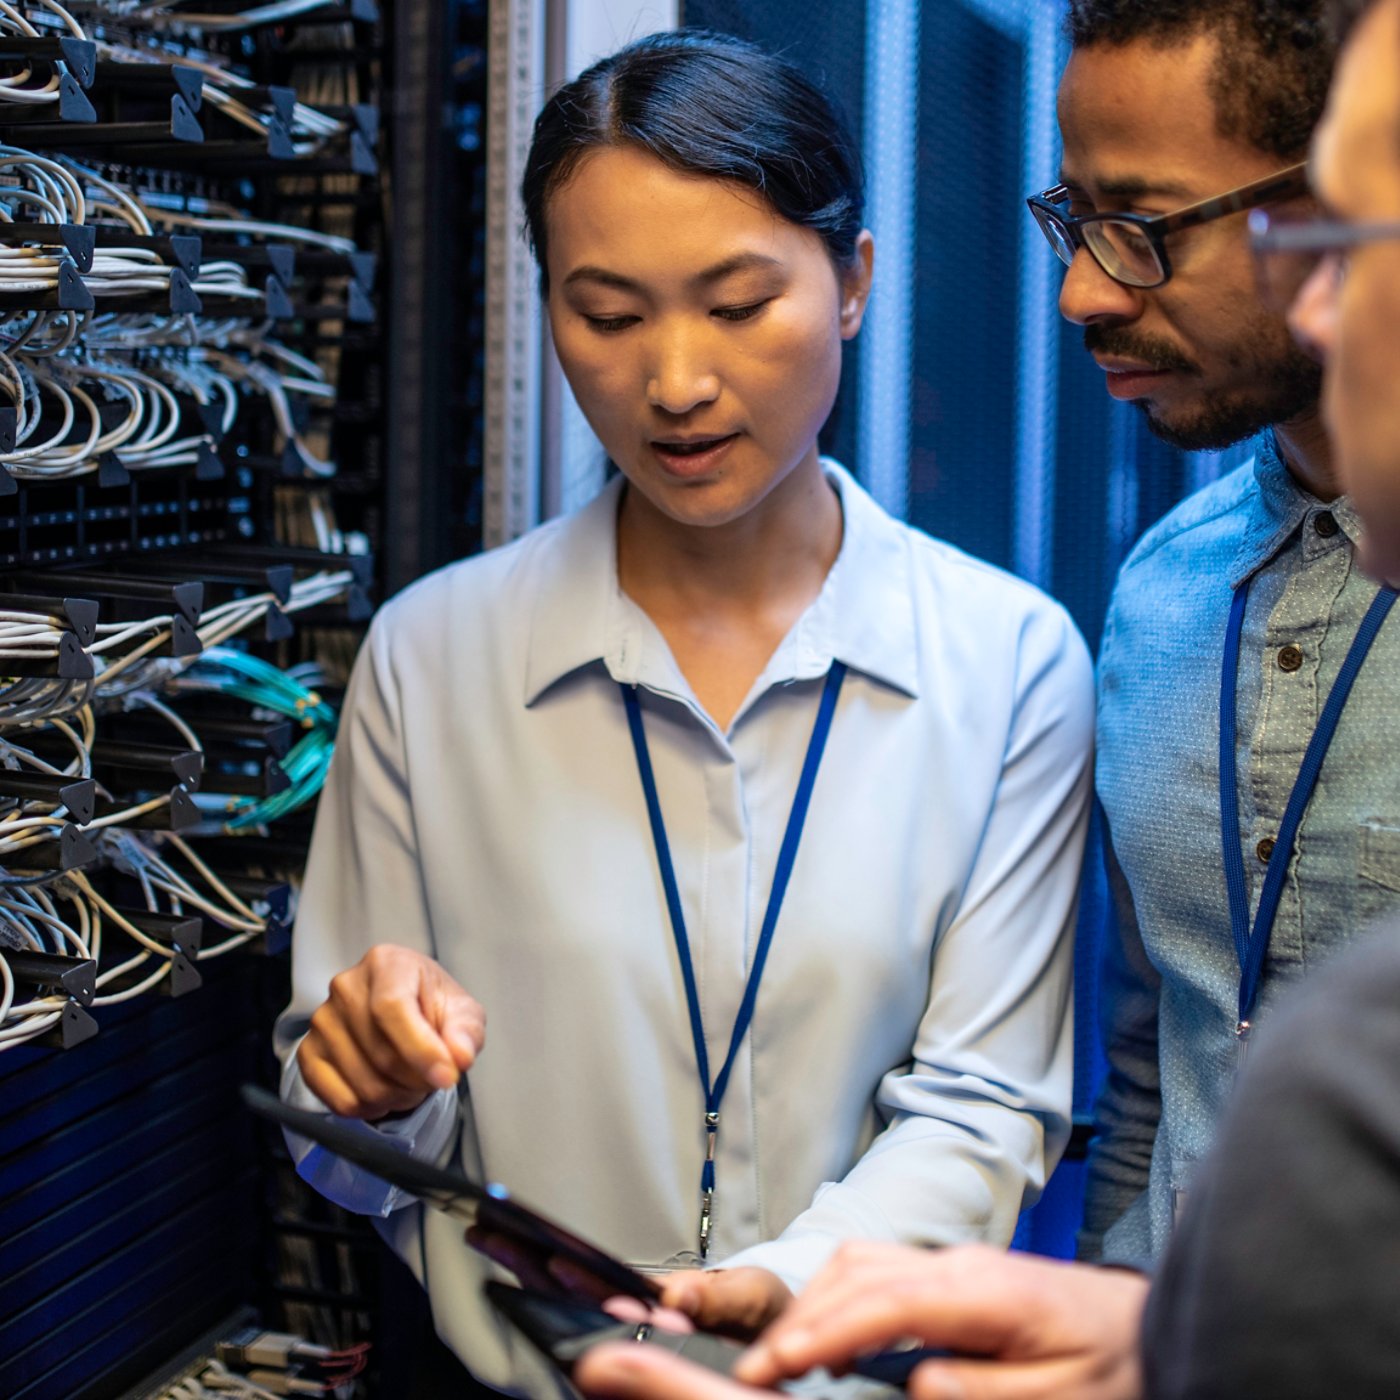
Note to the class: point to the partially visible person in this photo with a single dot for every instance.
(1341, 277)
(1283, 1280)
(1233, 876)
(752, 817)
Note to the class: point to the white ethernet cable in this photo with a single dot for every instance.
(167, 12)
(221, 86)
(215, 217)
(31, 920)
(14, 87)
(53, 186)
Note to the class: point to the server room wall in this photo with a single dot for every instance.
(1014, 451)
(202, 263)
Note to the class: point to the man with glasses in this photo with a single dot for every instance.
(1284, 1279)
(1252, 827)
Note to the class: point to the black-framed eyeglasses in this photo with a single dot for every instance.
(1131, 248)
(1288, 251)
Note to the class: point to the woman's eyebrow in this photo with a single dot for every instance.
(739, 262)
(588, 273)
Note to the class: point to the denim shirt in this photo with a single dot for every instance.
(1171, 975)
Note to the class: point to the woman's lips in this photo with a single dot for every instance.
(686, 461)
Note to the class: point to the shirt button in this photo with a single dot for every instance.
(1325, 523)
(1265, 849)
(1289, 658)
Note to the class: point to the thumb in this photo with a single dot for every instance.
(683, 1290)
(461, 1022)
(974, 1379)
(932, 1382)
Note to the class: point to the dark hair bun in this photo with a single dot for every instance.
(708, 104)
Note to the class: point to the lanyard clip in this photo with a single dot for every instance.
(707, 1200)
(1243, 1029)
(711, 1131)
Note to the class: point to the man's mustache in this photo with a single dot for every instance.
(1124, 344)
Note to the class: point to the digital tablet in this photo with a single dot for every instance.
(564, 1331)
(489, 1207)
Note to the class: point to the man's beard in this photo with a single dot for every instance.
(1285, 383)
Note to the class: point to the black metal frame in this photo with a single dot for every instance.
(1078, 230)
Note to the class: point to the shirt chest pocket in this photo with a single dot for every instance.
(1378, 864)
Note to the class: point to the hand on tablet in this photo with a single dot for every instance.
(395, 1028)
(1030, 1328)
(736, 1302)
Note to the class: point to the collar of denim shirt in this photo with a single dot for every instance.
(864, 614)
(1281, 507)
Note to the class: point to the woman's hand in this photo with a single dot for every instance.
(625, 1371)
(738, 1302)
(395, 1028)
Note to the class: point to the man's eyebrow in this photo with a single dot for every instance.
(1132, 187)
(739, 262)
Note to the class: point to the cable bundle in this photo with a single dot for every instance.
(65, 912)
(255, 1365)
(52, 396)
(58, 368)
(48, 193)
(41, 713)
(224, 671)
(220, 623)
(169, 13)
(214, 216)
(28, 699)
(216, 625)
(25, 824)
(52, 393)
(16, 87)
(32, 923)
(29, 636)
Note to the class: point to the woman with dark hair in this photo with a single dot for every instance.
(752, 815)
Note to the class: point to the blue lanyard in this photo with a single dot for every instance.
(787, 855)
(1251, 946)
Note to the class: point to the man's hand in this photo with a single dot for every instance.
(1032, 1329)
(737, 1302)
(394, 1028)
(1029, 1327)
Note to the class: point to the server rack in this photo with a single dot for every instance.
(241, 319)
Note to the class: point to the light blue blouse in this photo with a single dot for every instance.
(907, 1075)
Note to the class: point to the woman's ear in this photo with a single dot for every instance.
(855, 284)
